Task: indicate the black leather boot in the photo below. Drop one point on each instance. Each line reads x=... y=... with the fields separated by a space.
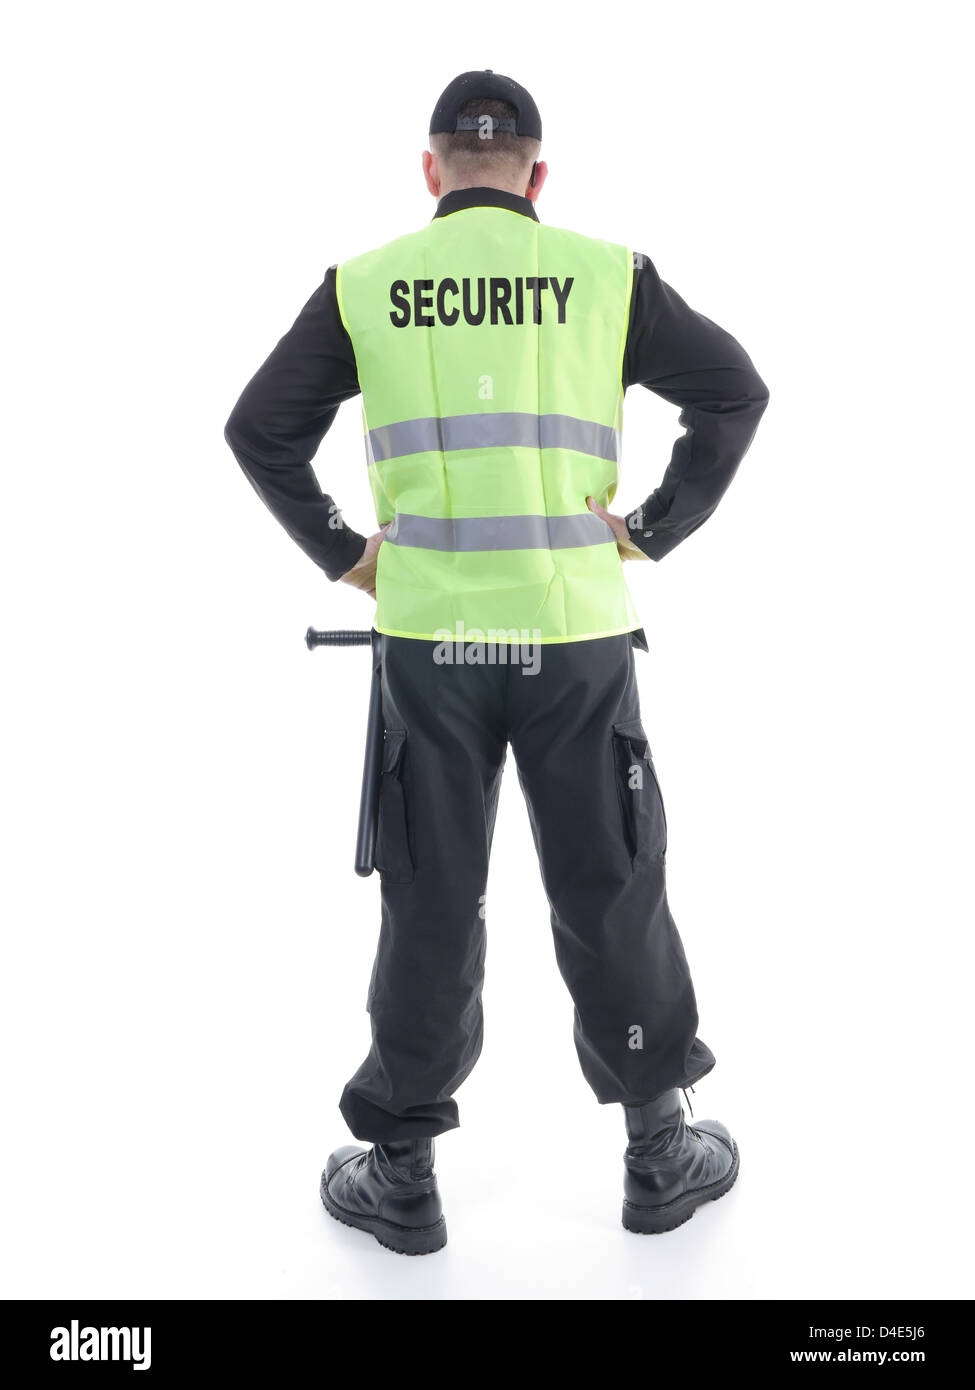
x=390 y=1191
x=672 y=1168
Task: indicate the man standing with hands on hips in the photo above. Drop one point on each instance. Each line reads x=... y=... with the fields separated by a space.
x=492 y=353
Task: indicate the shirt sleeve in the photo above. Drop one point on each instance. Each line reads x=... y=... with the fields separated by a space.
x=692 y=363
x=282 y=417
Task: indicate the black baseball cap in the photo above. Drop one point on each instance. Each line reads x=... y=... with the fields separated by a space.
x=487 y=86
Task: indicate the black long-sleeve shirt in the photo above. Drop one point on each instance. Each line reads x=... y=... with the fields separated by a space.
x=287 y=407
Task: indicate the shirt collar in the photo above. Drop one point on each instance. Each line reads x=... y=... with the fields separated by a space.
x=461 y=198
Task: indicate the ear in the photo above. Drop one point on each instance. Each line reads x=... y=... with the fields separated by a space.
x=532 y=190
x=431 y=172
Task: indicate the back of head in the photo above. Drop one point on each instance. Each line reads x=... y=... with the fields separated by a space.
x=488 y=152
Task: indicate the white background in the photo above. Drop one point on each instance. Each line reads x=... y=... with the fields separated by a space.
x=186 y=948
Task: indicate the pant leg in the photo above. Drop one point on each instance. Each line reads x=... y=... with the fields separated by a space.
x=600 y=832
x=443 y=756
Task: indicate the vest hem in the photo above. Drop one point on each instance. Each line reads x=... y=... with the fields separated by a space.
x=542 y=641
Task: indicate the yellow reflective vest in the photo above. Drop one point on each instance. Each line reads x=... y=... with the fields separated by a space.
x=489 y=351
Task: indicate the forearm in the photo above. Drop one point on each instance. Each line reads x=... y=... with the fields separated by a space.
x=691 y=362
x=282 y=416
x=291 y=492
x=702 y=465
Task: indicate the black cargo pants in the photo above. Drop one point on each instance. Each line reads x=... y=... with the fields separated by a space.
x=601 y=837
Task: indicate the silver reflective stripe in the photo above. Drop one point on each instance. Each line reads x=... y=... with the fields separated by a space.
x=499 y=532
x=506 y=429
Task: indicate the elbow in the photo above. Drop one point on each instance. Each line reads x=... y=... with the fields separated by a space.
x=235 y=430
x=758 y=394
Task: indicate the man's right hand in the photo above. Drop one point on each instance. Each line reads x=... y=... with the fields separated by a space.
x=617 y=524
x=363 y=573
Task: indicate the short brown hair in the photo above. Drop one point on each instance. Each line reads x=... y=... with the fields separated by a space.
x=492 y=151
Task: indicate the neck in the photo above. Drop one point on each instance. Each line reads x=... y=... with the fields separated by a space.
x=515 y=186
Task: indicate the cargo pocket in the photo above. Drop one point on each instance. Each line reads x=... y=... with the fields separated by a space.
x=641 y=805
x=393 y=858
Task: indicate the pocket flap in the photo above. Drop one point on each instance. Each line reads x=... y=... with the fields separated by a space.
x=393 y=746
x=632 y=730
x=394 y=858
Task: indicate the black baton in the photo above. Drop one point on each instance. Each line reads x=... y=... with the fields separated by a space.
x=365 y=840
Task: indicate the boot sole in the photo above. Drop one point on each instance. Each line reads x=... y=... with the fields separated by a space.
x=654 y=1221
x=404 y=1240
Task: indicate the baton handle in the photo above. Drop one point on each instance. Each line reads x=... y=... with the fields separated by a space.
x=337 y=637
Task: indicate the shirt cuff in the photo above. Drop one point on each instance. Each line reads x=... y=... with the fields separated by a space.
x=346 y=552
x=654 y=538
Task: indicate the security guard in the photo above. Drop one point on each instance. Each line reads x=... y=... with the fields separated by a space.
x=492 y=354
